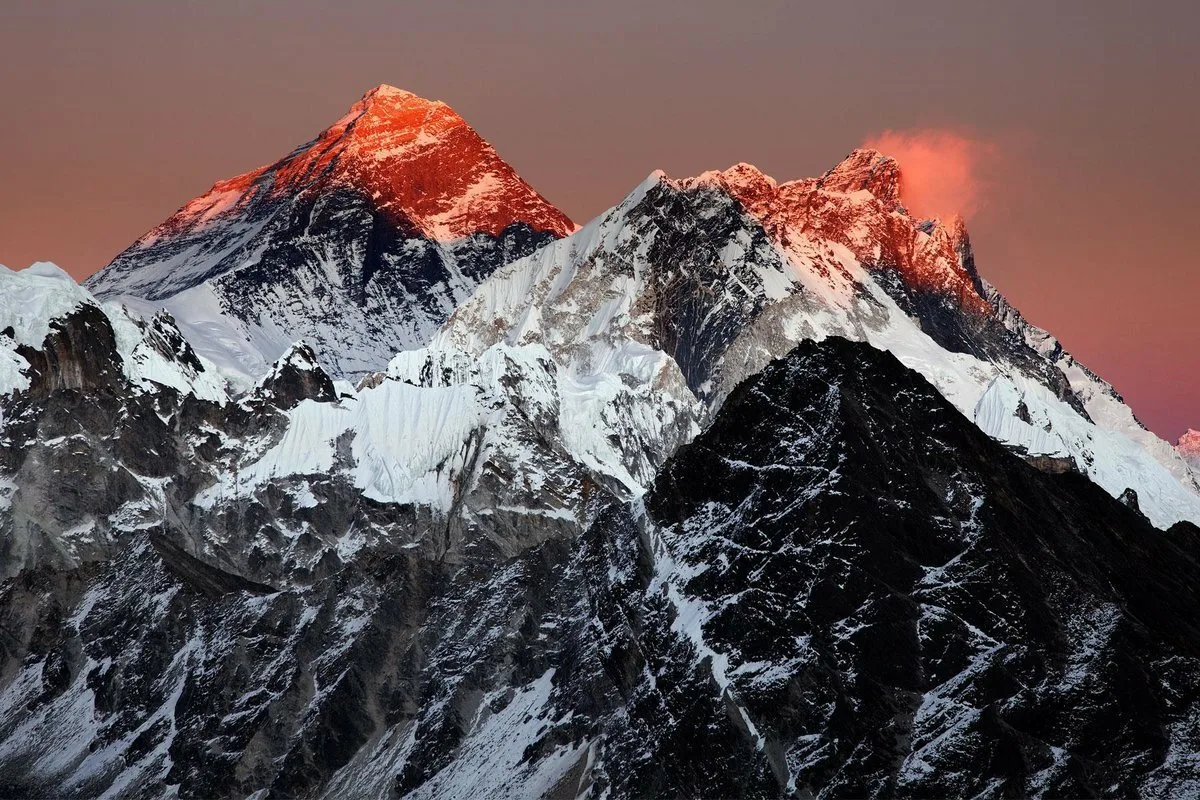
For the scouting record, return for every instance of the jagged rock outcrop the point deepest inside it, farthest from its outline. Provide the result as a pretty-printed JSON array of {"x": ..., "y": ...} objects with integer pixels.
[{"x": 294, "y": 377}]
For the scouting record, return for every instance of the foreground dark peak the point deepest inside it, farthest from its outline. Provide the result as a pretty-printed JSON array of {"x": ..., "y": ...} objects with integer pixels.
[
  {"x": 881, "y": 602},
  {"x": 841, "y": 588}
]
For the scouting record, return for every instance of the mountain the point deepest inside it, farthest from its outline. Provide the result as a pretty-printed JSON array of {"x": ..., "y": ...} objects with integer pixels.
[
  {"x": 722, "y": 635},
  {"x": 689, "y": 286},
  {"x": 842, "y": 588},
  {"x": 361, "y": 241},
  {"x": 745, "y": 488},
  {"x": 88, "y": 434}
]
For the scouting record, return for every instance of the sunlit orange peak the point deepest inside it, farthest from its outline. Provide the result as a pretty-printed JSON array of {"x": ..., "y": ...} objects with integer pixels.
[
  {"x": 866, "y": 169},
  {"x": 421, "y": 166}
]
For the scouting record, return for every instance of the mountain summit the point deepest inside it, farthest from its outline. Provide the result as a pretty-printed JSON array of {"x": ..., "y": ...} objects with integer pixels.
[
  {"x": 384, "y": 222},
  {"x": 858, "y": 205}
]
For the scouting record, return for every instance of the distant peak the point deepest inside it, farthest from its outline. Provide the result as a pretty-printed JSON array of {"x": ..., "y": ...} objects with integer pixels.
[
  {"x": 412, "y": 162},
  {"x": 745, "y": 170},
  {"x": 933, "y": 255},
  {"x": 388, "y": 108},
  {"x": 744, "y": 174},
  {"x": 1189, "y": 443},
  {"x": 743, "y": 181},
  {"x": 387, "y": 101}
]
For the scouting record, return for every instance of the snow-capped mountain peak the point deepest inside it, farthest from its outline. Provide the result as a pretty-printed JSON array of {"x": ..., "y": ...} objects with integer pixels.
[
  {"x": 857, "y": 204},
  {"x": 361, "y": 241},
  {"x": 425, "y": 166},
  {"x": 389, "y": 91},
  {"x": 416, "y": 161}
]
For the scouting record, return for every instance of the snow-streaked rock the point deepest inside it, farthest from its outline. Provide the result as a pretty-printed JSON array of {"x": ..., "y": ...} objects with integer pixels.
[
  {"x": 689, "y": 286},
  {"x": 152, "y": 352},
  {"x": 361, "y": 241},
  {"x": 841, "y": 587}
]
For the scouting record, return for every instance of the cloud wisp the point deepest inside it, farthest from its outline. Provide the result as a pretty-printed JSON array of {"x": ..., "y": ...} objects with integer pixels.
[{"x": 940, "y": 170}]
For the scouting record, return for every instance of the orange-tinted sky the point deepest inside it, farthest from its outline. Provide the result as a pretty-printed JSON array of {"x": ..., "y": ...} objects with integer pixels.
[{"x": 116, "y": 113}]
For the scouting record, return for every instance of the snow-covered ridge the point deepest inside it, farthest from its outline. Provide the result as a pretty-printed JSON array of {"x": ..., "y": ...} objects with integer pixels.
[
  {"x": 399, "y": 435},
  {"x": 688, "y": 286},
  {"x": 461, "y": 437},
  {"x": 153, "y": 352},
  {"x": 1105, "y": 407}
]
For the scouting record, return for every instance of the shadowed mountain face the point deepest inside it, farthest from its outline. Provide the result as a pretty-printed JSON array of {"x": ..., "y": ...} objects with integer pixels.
[
  {"x": 361, "y": 241},
  {"x": 895, "y": 605},
  {"x": 841, "y": 588}
]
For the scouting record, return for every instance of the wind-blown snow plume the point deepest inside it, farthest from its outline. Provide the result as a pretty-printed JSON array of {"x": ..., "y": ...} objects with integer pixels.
[{"x": 940, "y": 169}]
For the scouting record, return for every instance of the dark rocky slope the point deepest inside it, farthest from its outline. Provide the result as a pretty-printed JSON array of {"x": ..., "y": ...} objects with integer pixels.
[
  {"x": 897, "y": 606},
  {"x": 842, "y": 588}
]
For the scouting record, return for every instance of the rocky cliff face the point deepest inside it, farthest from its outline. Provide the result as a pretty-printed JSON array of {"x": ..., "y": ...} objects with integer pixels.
[{"x": 841, "y": 587}]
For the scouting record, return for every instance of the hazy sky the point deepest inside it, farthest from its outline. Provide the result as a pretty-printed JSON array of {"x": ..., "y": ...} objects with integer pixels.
[{"x": 1087, "y": 115}]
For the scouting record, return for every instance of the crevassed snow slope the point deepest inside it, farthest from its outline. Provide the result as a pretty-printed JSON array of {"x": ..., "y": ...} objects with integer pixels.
[
  {"x": 423, "y": 432},
  {"x": 399, "y": 435}
]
